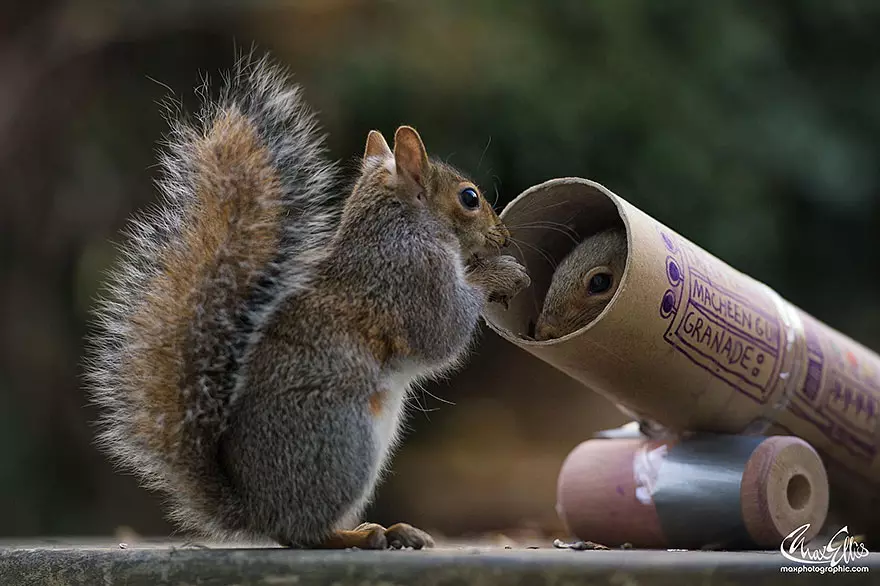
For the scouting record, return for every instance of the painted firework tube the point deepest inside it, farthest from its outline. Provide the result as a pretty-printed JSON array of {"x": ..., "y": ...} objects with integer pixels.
[{"x": 688, "y": 341}]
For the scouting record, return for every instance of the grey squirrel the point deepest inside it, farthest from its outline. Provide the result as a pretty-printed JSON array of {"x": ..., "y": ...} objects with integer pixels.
[
  {"x": 583, "y": 284},
  {"x": 262, "y": 332}
]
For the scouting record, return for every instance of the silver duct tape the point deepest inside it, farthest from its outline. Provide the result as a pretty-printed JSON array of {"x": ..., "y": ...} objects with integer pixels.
[{"x": 696, "y": 490}]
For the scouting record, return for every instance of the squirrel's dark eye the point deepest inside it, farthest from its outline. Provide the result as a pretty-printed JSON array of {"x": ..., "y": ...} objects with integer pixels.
[
  {"x": 600, "y": 283},
  {"x": 469, "y": 198}
]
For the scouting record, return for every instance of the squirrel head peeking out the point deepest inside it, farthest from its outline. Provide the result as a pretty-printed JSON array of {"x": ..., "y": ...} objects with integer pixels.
[
  {"x": 583, "y": 284},
  {"x": 407, "y": 174}
]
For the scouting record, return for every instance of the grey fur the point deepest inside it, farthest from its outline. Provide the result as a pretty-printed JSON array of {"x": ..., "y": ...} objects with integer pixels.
[
  {"x": 278, "y": 441},
  {"x": 309, "y": 368}
]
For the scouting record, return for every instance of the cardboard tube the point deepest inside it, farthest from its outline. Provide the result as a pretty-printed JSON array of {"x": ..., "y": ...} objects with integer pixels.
[
  {"x": 709, "y": 490},
  {"x": 688, "y": 341}
]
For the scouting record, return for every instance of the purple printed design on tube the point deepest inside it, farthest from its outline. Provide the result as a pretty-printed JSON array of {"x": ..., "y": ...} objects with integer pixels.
[
  {"x": 840, "y": 394},
  {"x": 727, "y": 328}
]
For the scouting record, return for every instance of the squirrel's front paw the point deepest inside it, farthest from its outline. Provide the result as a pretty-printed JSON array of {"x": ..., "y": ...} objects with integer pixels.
[{"x": 500, "y": 277}]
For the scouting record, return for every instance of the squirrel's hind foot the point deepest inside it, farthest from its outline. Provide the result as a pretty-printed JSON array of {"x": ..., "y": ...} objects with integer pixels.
[
  {"x": 402, "y": 535},
  {"x": 375, "y": 536}
]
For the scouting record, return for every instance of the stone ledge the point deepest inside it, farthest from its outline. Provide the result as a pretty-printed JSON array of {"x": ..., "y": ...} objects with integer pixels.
[{"x": 447, "y": 566}]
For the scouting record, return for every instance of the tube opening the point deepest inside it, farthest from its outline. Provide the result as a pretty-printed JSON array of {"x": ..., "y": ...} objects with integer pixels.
[{"x": 546, "y": 223}]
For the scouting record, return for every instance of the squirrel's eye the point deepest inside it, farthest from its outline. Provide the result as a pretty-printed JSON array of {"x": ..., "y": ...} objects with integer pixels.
[
  {"x": 469, "y": 198},
  {"x": 600, "y": 283}
]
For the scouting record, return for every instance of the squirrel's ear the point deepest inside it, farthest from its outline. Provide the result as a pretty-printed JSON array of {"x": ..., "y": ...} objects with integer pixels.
[
  {"x": 410, "y": 156},
  {"x": 376, "y": 146}
]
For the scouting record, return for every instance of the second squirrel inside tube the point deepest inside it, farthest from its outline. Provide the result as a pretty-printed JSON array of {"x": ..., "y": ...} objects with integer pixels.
[{"x": 583, "y": 284}]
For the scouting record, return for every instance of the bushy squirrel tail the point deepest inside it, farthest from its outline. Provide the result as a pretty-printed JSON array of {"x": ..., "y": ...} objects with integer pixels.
[{"x": 247, "y": 198}]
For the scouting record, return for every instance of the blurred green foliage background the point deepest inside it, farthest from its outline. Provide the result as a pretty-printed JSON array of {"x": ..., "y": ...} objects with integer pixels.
[{"x": 752, "y": 128}]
